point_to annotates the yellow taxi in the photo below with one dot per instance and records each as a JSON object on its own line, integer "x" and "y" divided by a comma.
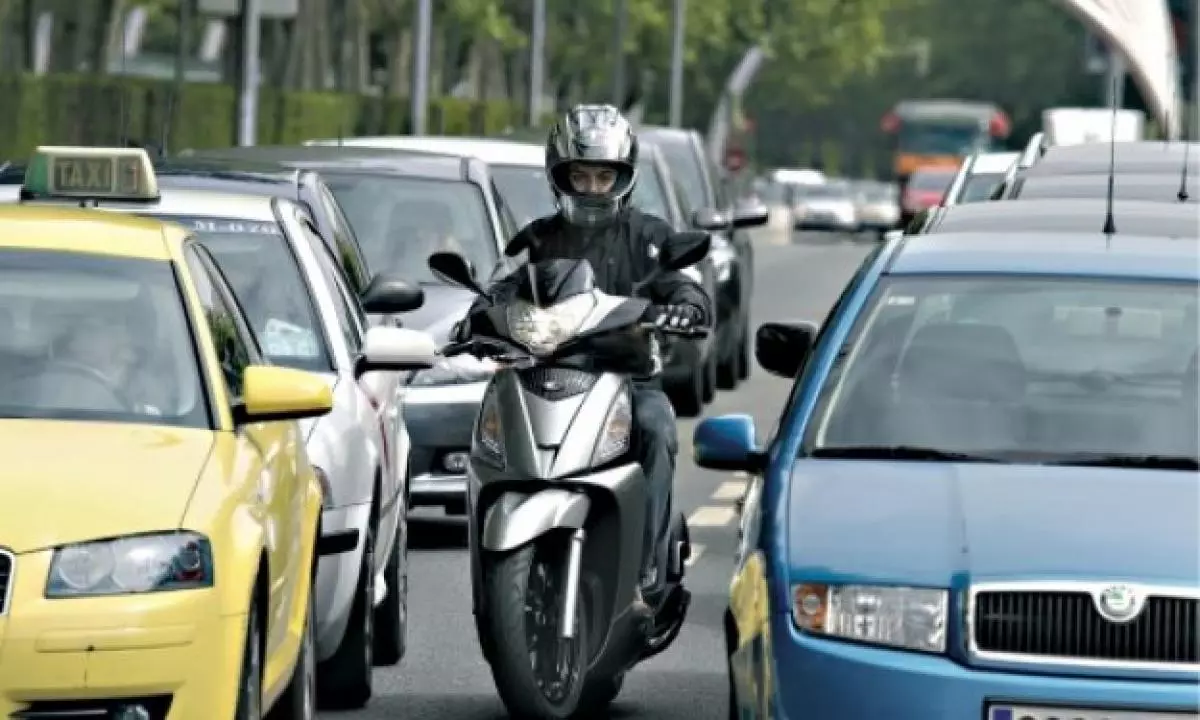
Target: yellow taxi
{"x": 158, "y": 516}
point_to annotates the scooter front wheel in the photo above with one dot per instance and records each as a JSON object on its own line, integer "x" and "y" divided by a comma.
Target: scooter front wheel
{"x": 539, "y": 674}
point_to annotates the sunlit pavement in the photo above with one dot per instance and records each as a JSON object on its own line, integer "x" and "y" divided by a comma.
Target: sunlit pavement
{"x": 444, "y": 677}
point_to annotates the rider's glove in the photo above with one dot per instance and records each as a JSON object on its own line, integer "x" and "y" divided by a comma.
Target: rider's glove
{"x": 679, "y": 317}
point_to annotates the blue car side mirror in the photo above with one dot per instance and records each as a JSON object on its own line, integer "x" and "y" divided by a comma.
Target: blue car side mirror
{"x": 727, "y": 442}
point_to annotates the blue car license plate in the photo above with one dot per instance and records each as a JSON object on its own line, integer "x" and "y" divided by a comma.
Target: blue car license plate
{"x": 1031, "y": 712}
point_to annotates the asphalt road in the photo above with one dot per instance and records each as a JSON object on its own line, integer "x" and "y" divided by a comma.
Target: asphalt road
{"x": 444, "y": 677}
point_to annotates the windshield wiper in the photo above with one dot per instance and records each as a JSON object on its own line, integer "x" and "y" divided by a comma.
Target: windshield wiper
{"x": 1145, "y": 462}
{"x": 900, "y": 452}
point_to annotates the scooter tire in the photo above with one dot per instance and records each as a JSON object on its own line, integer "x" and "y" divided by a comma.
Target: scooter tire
{"x": 506, "y": 586}
{"x": 598, "y": 694}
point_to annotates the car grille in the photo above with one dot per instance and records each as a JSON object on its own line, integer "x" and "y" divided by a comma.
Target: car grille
{"x": 6, "y": 568}
{"x": 1066, "y": 624}
{"x": 556, "y": 383}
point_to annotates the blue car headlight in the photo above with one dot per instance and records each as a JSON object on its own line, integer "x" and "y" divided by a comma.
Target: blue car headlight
{"x": 907, "y": 618}
{"x": 455, "y": 370}
{"x": 133, "y": 564}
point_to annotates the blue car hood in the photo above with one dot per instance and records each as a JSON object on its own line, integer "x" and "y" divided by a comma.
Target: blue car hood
{"x": 938, "y": 524}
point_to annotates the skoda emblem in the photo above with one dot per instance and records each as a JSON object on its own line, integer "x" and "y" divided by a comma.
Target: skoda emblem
{"x": 1119, "y": 603}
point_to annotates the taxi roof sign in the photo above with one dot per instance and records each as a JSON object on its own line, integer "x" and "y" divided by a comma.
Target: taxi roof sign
{"x": 90, "y": 173}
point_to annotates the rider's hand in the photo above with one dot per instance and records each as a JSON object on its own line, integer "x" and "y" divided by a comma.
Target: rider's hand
{"x": 679, "y": 317}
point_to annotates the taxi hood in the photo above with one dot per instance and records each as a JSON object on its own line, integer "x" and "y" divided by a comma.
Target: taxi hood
{"x": 63, "y": 482}
{"x": 930, "y": 524}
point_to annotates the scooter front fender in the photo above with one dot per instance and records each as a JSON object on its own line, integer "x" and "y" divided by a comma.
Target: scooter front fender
{"x": 516, "y": 518}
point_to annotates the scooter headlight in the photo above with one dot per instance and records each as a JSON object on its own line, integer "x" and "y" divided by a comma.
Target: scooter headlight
{"x": 542, "y": 330}
{"x": 487, "y": 429}
{"x": 617, "y": 433}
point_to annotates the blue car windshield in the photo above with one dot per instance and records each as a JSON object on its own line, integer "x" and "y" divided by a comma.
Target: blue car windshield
{"x": 1034, "y": 369}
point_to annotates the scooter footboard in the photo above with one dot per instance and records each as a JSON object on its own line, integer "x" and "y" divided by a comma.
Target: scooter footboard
{"x": 517, "y": 518}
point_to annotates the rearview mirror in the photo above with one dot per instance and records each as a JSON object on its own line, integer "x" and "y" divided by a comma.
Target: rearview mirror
{"x": 396, "y": 349}
{"x": 684, "y": 249}
{"x": 727, "y": 442}
{"x": 782, "y": 348}
{"x": 277, "y": 394}
{"x": 751, "y": 215}
{"x": 387, "y": 294}
{"x": 454, "y": 269}
{"x": 711, "y": 220}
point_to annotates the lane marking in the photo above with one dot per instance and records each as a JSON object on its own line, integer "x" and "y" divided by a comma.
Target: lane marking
{"x": 732, "y": 490}
{"x": 710, "y": 516}
{"x": 697, "y": 551}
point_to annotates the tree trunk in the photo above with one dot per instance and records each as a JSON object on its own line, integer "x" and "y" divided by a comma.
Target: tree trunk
{"x": 400, "y": 62}
{"x": 108, "y": 33}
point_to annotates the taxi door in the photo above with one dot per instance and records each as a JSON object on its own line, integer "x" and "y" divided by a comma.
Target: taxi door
{"x": 266, "y": 459}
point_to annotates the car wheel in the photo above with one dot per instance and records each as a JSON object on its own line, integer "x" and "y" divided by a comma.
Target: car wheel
{"x": 299, "y": 699}
{"x": 249, "y": 703}
{"x": 710, "y": 377}
{"x": 688, "y": 396}
{"x": 346, "y": 677}
{"x": 743, "y": 352}
{"x": 391, "y": 617}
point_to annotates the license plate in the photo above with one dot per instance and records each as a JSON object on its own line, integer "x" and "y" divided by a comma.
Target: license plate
{"x": 1031, "y": 712}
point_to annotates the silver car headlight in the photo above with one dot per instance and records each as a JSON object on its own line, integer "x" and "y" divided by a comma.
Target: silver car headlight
{"x": 134, "y": 564}
{"x": 455, "y": 370}
{"x": 617, "y": 433}
{"x": 542, "y": 330}
{"x": 908, "y": 618}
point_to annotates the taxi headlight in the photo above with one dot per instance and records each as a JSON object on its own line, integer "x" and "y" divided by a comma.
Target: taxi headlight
{"x": 618, "y": 429}
{"x": 133, "y": 564}
{"x": 455, "y": 370}
{"x": 901, "y": 617}
{"x": 542, "y": 330}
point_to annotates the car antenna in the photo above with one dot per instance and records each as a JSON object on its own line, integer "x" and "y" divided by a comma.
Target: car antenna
{"x": 1183, "y": 195}
{"x": 1110, "y": 226}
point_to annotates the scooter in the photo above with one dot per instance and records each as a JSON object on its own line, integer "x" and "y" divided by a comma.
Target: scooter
{"x": 556, "y": 499}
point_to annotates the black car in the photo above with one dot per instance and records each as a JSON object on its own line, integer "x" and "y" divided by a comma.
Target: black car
{"x": 709, "y": 202}
{"x": 404, "y": 206}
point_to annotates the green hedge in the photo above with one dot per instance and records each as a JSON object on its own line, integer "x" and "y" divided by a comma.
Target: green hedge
{"x": 90, "y": 110}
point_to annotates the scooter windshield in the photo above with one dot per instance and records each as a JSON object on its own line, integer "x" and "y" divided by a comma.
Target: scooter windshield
{"x": 550, "y": 282}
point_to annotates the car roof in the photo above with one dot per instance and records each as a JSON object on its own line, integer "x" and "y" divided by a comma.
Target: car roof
{"x": 490, "y": 150}
{"x": 1072, "y": 254}
{"x": 1067, "y": 215}
{"x": 658, "y": 133}
{"x": 96, "y": 232}
{"x": 997, "y": 162}
{"x": 1123, "y": 157}
{"x": 1160, "y": 187}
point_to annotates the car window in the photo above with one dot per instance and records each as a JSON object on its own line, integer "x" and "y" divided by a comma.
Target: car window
{"x": 351, "y": 319}
{"x": 265, "y": 275}
{"x": 401, "y": 221}
{"x": 526, "y": 190}
{"x": 89, "y": 337}
{"x": 648, "y": 194}
{"x": 349, "y": 250}
{"x": 1047, "y": 369}
{"x": 230, "y": 337}
{"x": 685, "y": 166}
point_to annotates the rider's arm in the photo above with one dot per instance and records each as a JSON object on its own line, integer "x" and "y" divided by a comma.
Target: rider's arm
{"x": 673, "y": 288}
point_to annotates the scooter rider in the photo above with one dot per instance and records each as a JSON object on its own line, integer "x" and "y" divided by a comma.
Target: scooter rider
{"x": 591, "y": 165}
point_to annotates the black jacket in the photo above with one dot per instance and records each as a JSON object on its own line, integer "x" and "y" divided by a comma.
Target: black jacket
{"x": 621, "y": 254}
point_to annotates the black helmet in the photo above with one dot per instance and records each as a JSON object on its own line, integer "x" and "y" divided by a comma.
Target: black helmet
{"x": 593, "y": 135}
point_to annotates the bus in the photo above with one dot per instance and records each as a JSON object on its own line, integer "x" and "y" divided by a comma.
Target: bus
{"x": 941, "y": 133}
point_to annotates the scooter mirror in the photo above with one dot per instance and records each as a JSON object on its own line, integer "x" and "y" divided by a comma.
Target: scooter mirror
{"x": 453, "y": 269}
{"x": 684, "y": 249}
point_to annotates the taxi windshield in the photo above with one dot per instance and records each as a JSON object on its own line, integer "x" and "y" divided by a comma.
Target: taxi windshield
{"x": 1022, "y": 369}
{"x": 401, "y": 221}
{"x": 89, "y": 337}
{"x": 526, "y": 191}
{"x": 269, "y": 284}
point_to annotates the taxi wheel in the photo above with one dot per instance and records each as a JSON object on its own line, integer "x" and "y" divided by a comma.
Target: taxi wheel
{"x": 249, "y": 704}
{"x": 299, "y": 700}
{"x": 346, "y": 676}
{"x": 391, "y": 617}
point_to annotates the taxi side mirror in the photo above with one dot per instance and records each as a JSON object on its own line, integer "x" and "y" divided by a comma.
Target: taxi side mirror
{"x": 278, "y": 394}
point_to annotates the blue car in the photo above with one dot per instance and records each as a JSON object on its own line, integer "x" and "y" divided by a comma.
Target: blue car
{"x": 981, "y": 501}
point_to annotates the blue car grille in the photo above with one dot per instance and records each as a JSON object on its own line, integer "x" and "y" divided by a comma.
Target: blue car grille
{"x": 556, "y": 383}
{"x": 1067, "y": 625}
{"x": 6, "y": 563}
